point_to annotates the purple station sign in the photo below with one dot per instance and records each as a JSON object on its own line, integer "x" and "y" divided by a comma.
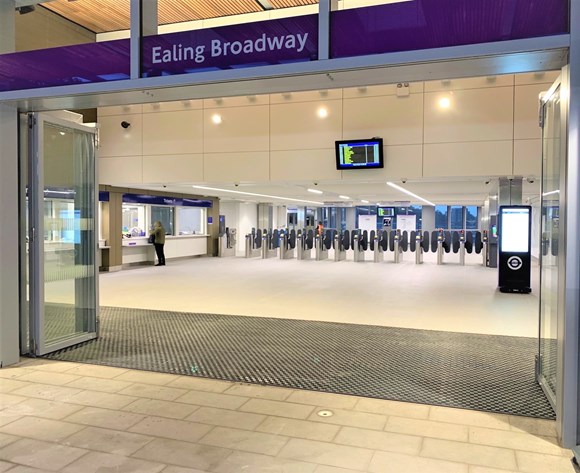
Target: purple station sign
{"x": 261, "y": 43}
{"x": 69, "y": 65}
{"x": 427, "y": 24}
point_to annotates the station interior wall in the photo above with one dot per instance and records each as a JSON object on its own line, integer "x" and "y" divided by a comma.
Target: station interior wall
{"x": 489, "y": 130}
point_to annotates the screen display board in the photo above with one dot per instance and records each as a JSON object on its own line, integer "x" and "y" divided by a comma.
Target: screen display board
{"x": 359, "y": 154}
{"x": 515, "y": 230}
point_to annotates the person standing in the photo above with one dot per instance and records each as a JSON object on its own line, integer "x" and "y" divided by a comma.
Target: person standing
{"x": 159, "y": 234}
{"x": 320, "y": 230}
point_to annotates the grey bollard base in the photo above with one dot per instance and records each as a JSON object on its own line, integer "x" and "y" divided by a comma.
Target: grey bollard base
{"x": 379, "y": 255}
{"x": 440, "y": 251}
{"x": 418, "y": 254}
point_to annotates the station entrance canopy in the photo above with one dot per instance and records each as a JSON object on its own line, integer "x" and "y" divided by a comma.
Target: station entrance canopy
{"x": 396, "y": 27}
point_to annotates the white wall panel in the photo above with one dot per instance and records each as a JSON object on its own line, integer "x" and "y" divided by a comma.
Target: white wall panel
{"x": 173, "y": 106}
{"x": 473, "y": 115}
{"x": 247, "y": 219}
{"x": 398, "y": 120}
{"x": 528, "y": 158}
{"x": 546, "y": 77}
{"x": 307, "y": 96}
{"x": 378, "y": 90}
{"x": 242, "y": 101}
{"x": 119, "y": 110}
{"x": 313, "y": 164}
{"x": 241, "y": 129}
{"x": 527, "y": 101}
{"x": 486, "y": 158}
{"x": 118, "y": 141}
{"x": 237, "y": 167}
{"x": 116, "y": 171}
{"x": 400, "y": 162}
{"x": 506, "y": 80}
{"x": 173, "y": 132}
{"x": 297, "y": 126}
{"x": 173, "y": 168}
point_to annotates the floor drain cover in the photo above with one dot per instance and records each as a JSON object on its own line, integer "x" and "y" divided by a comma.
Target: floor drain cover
{"x": 325, "y": 413}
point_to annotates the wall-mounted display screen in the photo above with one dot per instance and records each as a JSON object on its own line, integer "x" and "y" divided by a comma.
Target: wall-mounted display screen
{"x": 515, "y": 230}
{"x": 360, "y": 154}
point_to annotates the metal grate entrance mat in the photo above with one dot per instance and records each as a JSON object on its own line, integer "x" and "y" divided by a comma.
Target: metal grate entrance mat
{"x": 469, "y": 371}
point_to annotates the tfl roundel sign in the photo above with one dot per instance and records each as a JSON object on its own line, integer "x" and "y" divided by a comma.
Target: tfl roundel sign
{"x": 514, "y": 263}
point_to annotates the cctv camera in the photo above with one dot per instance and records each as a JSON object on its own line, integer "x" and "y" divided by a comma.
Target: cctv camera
{"x": 315, "y": 183}
{"x": 487, "y": 182}
{"x": 531, "y": 180}
{"x": 404, "y": 181}
{"x": 236, "y": 184}
{"x": 125, "y": 125}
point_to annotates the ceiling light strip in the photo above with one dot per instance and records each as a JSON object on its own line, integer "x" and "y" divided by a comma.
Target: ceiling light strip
{"x": 314, "y": 191}
{"x": 405, "y": 191}
{"x": 256, "y": 195}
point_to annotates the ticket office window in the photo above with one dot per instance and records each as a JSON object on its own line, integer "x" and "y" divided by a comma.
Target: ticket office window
{"x": 191, "y": 221}
{"x": 164, "y": 215}
{"x": 134, "y": 220}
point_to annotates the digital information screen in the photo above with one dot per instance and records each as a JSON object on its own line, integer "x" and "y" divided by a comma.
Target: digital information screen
{"x": 359, "y": 154}
{"x": 515, "y": 230}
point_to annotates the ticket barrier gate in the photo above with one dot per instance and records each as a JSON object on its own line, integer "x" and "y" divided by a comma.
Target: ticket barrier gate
{"x": 462, "y": 248}
{"x": 304, "y": 244}
{"x": 440, "y": 241}
{"x": 398, "y": 247}
{"x": 270, "y": 244}
{"x": 378, "y": 246}
{"x": 484, "y": 248}
{"x": 254, "y": 244}
{"x": 227, "y": 243}
{"x": 287, "y": 244}
{"x": 341, "y": 243}
{"x": 359, "y": 245}
{"x": 418, "y": 248}
{"x": 323, "y": 244}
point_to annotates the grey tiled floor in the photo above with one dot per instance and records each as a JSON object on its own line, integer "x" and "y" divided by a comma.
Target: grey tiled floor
{"x": 67, "y": 417}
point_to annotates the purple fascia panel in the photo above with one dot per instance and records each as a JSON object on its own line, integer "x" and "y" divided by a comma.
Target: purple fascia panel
{"x": 428, "y": 24}
{"x": 230, "y": 47}
{"x": 79, "y": 64}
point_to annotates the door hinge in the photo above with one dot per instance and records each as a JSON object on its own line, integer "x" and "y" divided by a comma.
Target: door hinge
{"x": 541, "y": 116}
{"x": 33, "y": 234}
{"x": 31, "y": 121}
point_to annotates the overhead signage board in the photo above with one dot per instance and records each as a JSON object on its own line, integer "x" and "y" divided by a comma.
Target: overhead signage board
{"x": 260, "y": 43}
{"x": 429, "y": 24}
{"x": 515, "y": 248}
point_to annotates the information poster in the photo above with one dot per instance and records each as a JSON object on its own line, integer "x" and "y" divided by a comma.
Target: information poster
{"x": 407, "y": 223}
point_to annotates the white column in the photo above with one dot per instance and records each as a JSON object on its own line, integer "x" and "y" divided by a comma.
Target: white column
{"x": 7, "y": 28}
{"x": 9, "y": 248}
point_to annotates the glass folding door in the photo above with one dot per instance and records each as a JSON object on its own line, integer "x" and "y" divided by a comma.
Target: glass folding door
{"x": 62, "y": 239}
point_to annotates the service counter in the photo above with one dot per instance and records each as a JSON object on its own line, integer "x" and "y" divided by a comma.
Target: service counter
{"x": 139, "y": 251}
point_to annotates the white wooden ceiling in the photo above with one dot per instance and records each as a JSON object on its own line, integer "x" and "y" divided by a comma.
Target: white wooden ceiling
{"x": 102, "y": 16}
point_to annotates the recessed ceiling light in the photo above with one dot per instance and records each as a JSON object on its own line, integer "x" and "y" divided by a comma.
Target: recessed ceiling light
{"x": 322, "y": 112}
{"x": 216, "y": 118}
{"x": 346, "y": 197}
{"x": 315, "y": 191}
{"x": 444, "y": 102}
{"x": 365, "y": 201}
{"x": 405, "y": 191}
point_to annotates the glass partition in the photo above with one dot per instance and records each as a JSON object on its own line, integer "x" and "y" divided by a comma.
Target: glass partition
{"x": 163, "y": 215}
{"x": 550, "y": 234}
{"x": 191, "y": 221}
{"x": 134, "y": 220}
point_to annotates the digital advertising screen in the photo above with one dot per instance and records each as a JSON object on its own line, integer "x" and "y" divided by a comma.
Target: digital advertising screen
{"x": 515, "y": 230}
{"x": 359, "y": 154}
